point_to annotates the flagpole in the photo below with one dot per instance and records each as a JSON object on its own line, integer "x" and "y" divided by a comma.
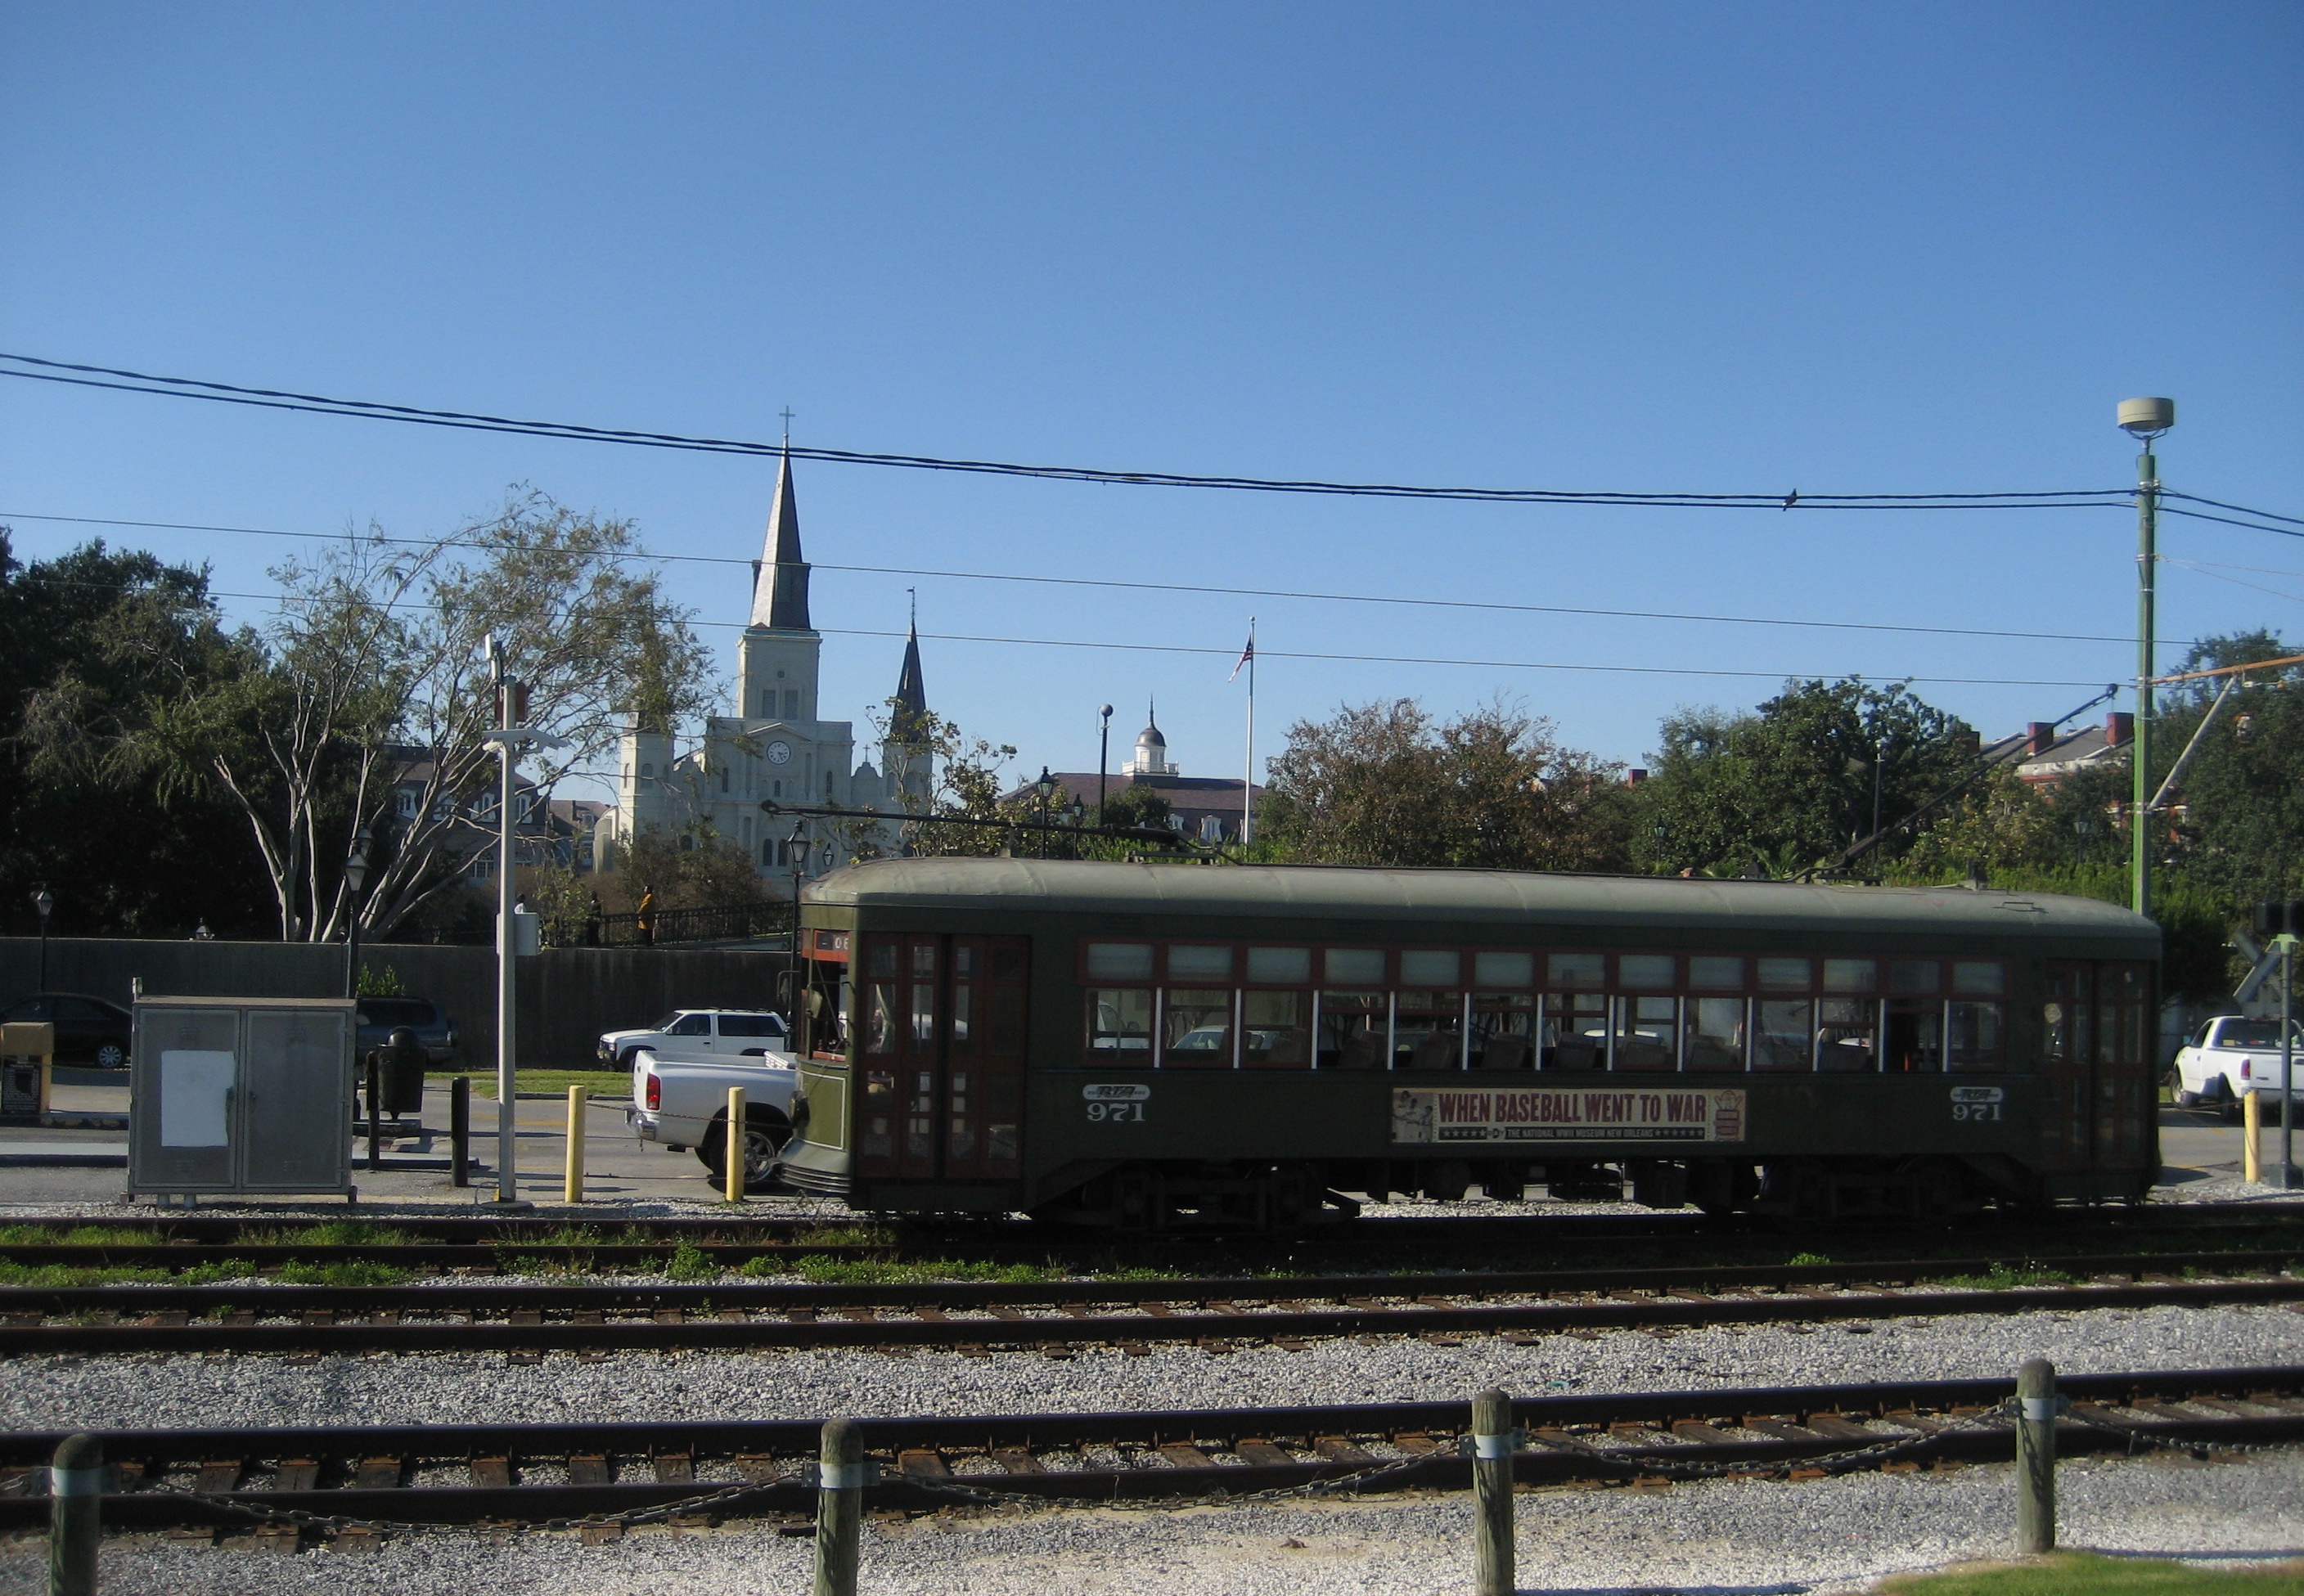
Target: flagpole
{"x": 1247, "y": 775}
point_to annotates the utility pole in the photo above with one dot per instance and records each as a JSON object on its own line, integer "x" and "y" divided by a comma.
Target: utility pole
{"x": 2145, "y": 419}
{"x": 510, "y": 737}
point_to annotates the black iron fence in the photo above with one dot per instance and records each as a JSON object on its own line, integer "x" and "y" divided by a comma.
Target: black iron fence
{"x": 661, "y": 927}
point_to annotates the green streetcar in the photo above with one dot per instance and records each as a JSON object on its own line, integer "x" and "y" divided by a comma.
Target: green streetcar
{"x": 1154, "y": 1048}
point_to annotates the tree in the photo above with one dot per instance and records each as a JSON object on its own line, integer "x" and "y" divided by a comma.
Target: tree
{"x": 372, "y": 674}
{"x": 965, "y": 784}
{"x": 1793, "y": 784}
{"x": 83, "y": 638}
{"x": 1383, "y": 783}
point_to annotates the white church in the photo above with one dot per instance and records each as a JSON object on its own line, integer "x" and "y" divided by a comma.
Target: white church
{"x": 776, "y": 747}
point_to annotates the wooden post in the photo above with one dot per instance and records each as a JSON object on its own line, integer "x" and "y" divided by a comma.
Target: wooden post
{"x": 732, "y": 1181}
{"x": 1492, "y": 1492}
{"x": 75, "y": 1516}
{"x": 2036, "y": 1456}
{"x": 459, "y": 1131}
{"x": 839, "y": 1507}
{"x": 571, "y": 1175}
{"x": 2251, "y": 1152}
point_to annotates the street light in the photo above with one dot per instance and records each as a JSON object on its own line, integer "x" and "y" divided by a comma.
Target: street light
{"x": 2144, "y": 420}
{"x": 1046, "y": 788}
{"x": 355, "y": 877}
{"x": 44, "y": 902}
{"x": 1103, "y": 757}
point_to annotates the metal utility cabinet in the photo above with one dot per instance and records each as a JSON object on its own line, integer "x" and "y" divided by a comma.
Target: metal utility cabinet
{"x": 242, "y": 1094}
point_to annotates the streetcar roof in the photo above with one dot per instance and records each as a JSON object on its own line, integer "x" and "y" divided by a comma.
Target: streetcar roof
{"x": 1321, "y": 892}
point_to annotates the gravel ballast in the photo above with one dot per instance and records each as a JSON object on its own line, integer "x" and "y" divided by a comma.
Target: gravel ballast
{"x": 188, "y": 1392}
{"x": 1754, "y": 1538}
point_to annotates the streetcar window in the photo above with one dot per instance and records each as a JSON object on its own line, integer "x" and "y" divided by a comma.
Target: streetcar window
{"x": 1198, "y": 1027}
{"x": 1647, "y": 1034}
{"x": 1974, "y": 1033}
{"x": 1280, "y": 966}
{"x": 1715, "y": 1033}
{"x": 1846, "y": 1028}
{"x": 1575, "y": 1032}
{"x": 1504, "y": 969}
{"x": 1577, "y": 972}
{"x": 1649, "y": 970}
{"x": 1119, "y": 1025}
{"x": 1428, "y": 1031}
{"x": 1426, "y": 967}
{"x": 1785, "y": 974}
{"x": 880, "y": 1017}
{"x": 1355, "y": 1030}
{"x": 924, "y": 961}
{"x": 1913, "y": 1035}
{"x": 879, "y": 1140}
{"x": 1914, "y": 976}
{"x": 1709, "y": 974}
{"x": 883, "y": 961}
{"x": 1974, "y": 980}
{"x": 1196, "y": 962}
{"x": 924, "y": 1013}
{"x": 1785, "y": 1033}
{"x": 1120, "y": 961}
{"x": 1275, "y": 1030}
{"x": 1503, "y": 1030}
{"x": 1850, "y": 974}
{"x": 1355, "y": 966}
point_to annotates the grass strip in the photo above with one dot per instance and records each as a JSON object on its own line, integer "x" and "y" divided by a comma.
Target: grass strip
{"x": 2084, "y": 1574}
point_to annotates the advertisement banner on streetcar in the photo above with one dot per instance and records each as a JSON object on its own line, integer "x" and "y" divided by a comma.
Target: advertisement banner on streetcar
{"x": 1602, "y": 1114}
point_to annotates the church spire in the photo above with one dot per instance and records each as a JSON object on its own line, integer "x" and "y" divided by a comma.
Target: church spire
{"x": 911, "y": 702}
{"x": 780, "y": 578}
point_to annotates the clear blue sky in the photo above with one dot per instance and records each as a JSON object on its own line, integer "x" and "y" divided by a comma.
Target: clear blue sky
{"x": 1883, "y": 248}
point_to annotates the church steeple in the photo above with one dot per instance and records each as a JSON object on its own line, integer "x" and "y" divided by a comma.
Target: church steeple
{"x": 780, "y": 578}
{"x": 912, "y": 700}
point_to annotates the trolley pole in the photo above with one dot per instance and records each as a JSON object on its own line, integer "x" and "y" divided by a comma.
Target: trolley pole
{"x": 2145, "y": 419}
{"x": 2148, "y": 558}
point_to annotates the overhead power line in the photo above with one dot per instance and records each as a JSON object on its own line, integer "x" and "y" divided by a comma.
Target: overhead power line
{"x": 1201, "y": 589}
{"x": 138, "y": 382}
{"x": 285, "y": 601}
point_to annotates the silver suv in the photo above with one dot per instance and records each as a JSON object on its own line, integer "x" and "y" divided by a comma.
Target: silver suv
{"x": 733, "y": 1033}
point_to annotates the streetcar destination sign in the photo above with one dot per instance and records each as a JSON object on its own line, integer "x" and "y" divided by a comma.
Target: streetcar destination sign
{"x": 1607, "y": 1114}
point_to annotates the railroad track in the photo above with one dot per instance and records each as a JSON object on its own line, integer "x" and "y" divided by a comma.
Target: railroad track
{"x": 529, "y": 1319}
{"x": 293, "y": 1481}
{"x": 490, "y": 1246}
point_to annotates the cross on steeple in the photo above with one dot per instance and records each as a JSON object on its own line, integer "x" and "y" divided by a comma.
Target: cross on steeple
{"x": 787, "y": 414}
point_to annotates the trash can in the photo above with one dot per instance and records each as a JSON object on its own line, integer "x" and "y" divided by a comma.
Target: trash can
{"x": 400, "y": 1072}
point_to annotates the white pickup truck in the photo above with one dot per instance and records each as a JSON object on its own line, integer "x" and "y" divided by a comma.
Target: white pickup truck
{"x": 2232, "y": 1054}
{"x": 681, "y": 1101}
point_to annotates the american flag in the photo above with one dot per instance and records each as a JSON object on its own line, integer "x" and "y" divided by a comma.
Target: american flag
{"x": 1246, "y": 657}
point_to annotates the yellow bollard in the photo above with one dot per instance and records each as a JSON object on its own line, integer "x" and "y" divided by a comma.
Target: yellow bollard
{"x": 2251, "y": 1130}
{"x": 572, "y": 1178}
{"x": 734, "y": 1184}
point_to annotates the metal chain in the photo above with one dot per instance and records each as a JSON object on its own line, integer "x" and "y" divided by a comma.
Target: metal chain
{"x": 2135, "y": 1435}
{"x": 341, "y": 1521}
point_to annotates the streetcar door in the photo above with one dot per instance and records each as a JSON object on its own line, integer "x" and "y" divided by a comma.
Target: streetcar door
{"x": 943, "y": 1058}
{"x": 2068, "y": 1074}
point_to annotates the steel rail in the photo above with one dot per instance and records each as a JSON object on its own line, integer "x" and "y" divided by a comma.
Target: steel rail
{"x": 260, "y": 1319}
{"x": 325, "y": 1476}
{"x": 1416, "y": 1228}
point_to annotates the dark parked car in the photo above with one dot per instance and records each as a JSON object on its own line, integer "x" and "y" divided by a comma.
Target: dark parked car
{"x": 379, "y": 1018}
{"x": 87, "y": 1028}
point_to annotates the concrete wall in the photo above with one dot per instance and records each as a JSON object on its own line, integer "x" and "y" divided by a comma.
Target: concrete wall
{"x": 567, "y": 995}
